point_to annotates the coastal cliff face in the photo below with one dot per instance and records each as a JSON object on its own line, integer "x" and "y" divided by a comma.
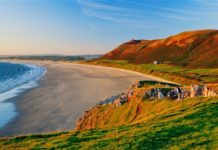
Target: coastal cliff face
{"x": 111, "y": 115}
{"x": 188, "y": 124}
{"x": 135, "y": 111}
{"x": 192, "y": 49}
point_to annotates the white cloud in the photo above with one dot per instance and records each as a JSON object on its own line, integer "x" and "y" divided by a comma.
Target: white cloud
{"x": 142, "y": 12}
{"x": 100, "y": 6}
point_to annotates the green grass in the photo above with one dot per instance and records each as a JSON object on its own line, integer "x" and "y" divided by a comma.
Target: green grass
{"x": 170, "y": 72}
{"x": 189, "y": 124}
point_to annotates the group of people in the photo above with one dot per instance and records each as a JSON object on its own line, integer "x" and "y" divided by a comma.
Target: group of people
{"x": 173, "y": 93}
{"x": 160, "y": 93}
{"x": 125, "y": 97}
{"x": 197, "y": 90}
{"x": 120, "y": 99}
{"x": 179, "y": 93}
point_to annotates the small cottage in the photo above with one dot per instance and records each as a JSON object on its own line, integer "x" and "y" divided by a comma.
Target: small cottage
{"x": 156, "y": 62}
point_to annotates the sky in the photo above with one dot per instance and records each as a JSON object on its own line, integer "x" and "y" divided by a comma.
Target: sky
{"x": 74, "y": 27}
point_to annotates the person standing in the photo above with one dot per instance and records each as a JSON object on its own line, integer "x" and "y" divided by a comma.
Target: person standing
{"x": 192, "y": 91}
{"x": 205, "y": 91}
{"x": 160, "y": 94}
{"x": 179, "y": 93}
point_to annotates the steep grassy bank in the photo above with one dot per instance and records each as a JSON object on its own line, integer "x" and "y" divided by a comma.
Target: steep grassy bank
{"x": 173, "y": 73}
{"x": 188, "y": 124}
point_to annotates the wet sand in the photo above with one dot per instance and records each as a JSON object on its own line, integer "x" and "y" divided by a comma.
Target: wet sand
{"x": 65, "y": 92}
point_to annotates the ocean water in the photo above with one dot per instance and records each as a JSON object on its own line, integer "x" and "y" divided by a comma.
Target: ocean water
{"x": 15, "y": 78}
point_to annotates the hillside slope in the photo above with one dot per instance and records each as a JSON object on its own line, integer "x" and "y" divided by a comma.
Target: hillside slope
{"x": 189, "y": 124}
{"x": 192, "y": 49}
{"x": 136, "y": 111}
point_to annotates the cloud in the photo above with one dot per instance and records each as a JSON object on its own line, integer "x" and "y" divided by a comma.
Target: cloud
{"x": 144, "y": 11}
{"x": 113, "y": 13}
{"x": 99, "y": 6}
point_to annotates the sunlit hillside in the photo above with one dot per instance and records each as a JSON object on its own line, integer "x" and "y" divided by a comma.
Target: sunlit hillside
{"x": 192, "y": 49}
{"x": 188, "y": 124}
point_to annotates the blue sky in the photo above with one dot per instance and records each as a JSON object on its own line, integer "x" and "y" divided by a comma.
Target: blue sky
{"x": 74, "y": 27}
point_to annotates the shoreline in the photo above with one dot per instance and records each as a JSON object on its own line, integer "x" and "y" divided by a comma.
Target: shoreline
{"x": 16, "y": 87}
{"x": 66, "y": 91}
{"x": 135, "y": 72}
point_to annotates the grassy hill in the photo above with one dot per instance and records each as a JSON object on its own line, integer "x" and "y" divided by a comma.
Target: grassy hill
{"x": 188, "y": 124}
{"x": 192, "y": 49}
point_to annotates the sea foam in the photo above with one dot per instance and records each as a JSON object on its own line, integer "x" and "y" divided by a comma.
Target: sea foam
{"x": 12, "y": 87}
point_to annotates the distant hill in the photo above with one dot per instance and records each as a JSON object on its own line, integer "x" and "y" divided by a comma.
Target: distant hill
{"x": 55, "y": 57}
{"x": 192, "y": 49}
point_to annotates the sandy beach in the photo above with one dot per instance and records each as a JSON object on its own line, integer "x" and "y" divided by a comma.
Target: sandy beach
{"x": 63, "y": 94}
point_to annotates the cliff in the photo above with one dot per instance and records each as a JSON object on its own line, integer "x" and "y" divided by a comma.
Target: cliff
{"x": 137, "y": 110}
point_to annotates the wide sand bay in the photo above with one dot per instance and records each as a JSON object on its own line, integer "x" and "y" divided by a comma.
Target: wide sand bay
{"x": 65, "y": 92}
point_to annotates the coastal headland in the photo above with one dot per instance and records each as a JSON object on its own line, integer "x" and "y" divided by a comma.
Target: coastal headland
{"x": 63, "y": 94}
